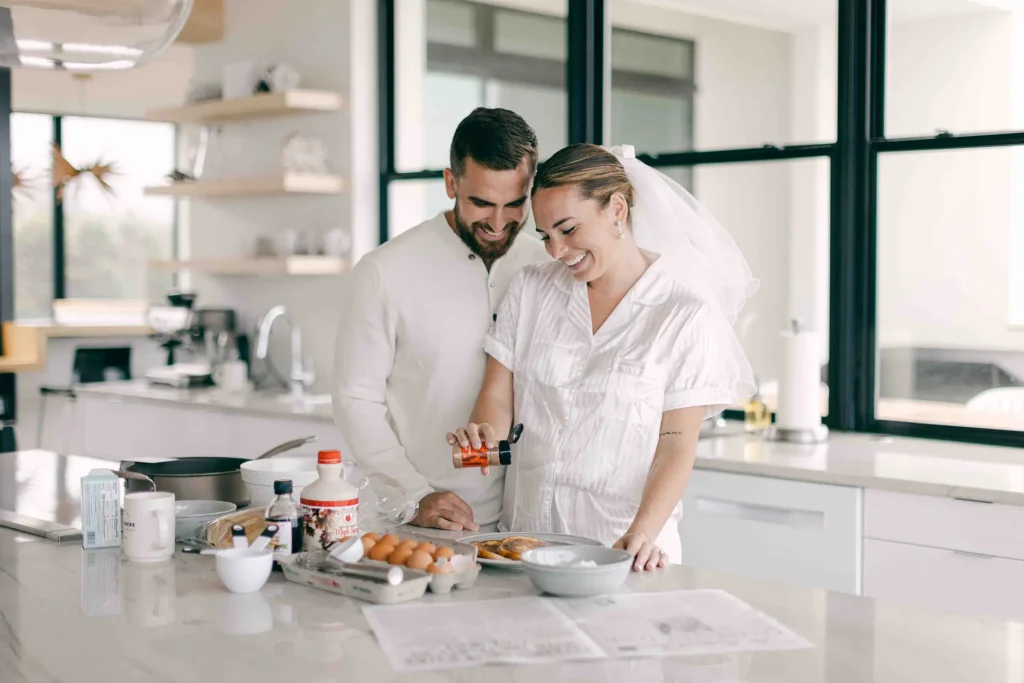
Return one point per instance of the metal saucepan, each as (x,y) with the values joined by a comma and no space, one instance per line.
(201,478)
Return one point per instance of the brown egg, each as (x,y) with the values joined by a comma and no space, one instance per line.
(373,537)
(368,544)
(420,559)
(410,544)
(427,548)
(381,551)
(391,539)
(444,552)
(400,555)
(435,568)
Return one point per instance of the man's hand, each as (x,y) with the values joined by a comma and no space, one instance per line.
(445,510)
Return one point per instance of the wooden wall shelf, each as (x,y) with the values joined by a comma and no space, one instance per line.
(263,105)
(274,184)
(291,265)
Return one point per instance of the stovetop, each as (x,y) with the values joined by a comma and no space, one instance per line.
(40,492)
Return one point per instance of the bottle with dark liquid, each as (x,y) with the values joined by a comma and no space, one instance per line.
(284,512)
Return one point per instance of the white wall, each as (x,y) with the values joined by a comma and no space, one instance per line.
(332,45)
(945,218)
(743,98)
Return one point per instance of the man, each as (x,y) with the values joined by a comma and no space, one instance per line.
(410,357)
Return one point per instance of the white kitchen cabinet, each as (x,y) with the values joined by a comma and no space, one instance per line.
(126,430)
(943,553)
(976,527)
(798,532)
(939,578)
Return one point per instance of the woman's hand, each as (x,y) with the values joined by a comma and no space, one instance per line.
(645,554)
(473,436)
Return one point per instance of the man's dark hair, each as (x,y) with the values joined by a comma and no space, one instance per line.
(497,139)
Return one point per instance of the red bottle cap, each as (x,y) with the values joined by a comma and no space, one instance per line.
(329,457)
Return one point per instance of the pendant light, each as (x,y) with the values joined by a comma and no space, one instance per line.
(87,35)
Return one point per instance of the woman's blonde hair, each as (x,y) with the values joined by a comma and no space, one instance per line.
(595,171)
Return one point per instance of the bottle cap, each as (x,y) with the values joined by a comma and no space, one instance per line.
(282,486)
(504,452)
(329,457)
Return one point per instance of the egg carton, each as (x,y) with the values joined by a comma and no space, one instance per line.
(412,588)
(440,583)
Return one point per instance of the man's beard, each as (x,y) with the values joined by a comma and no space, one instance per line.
(489,251)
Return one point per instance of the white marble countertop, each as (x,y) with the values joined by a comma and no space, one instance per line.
(175,623)
(921,466)
(269,402)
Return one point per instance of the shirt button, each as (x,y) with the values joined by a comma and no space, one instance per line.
(472,257)
(491,285)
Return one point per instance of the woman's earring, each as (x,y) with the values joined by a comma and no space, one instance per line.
(618,224)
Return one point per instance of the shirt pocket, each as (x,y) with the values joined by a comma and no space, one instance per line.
(551,365)
(636,393)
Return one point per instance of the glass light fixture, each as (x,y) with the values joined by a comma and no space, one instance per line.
(87,35)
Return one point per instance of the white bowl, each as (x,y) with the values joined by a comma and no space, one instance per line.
(190,515)
(244,570)
(550,570)
(259,477)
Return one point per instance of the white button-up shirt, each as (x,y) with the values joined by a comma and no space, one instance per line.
(409,358)
(591,404)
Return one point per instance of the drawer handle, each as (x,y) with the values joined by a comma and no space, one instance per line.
(770,514)
(980,556)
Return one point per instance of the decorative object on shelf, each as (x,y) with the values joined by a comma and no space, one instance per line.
(337,242)
(282,77)
(295,242)
(196,142)
(86,36)
(65,174)
(302,154)
(264,247)
(238,80)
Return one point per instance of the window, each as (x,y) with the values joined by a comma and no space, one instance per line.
(474,55)
(108,237)
(949,302)
(486,54)
(746,75)
(31,136)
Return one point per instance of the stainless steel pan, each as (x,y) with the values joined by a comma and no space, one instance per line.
(203,478)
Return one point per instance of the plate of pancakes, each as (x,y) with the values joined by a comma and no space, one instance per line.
(502,550)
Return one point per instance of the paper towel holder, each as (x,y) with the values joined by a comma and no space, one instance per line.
(804,435)
(818,434)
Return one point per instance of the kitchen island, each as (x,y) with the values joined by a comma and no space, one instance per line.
(71,616)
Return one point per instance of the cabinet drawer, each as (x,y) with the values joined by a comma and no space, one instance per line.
(790,531)
(944,579)
(986,528)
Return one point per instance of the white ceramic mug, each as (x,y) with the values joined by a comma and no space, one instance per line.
(148,526)
(232,375)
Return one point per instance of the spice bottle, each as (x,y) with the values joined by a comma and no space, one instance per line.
(284,512)
(490,457)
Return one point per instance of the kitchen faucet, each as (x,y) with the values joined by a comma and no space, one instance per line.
(300,377)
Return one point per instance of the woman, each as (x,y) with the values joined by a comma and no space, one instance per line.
(612,355)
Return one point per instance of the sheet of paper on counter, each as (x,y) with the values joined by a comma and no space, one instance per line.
(694,622)
(533,630)
(525,630)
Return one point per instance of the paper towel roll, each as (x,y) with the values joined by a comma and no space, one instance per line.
(799,390)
